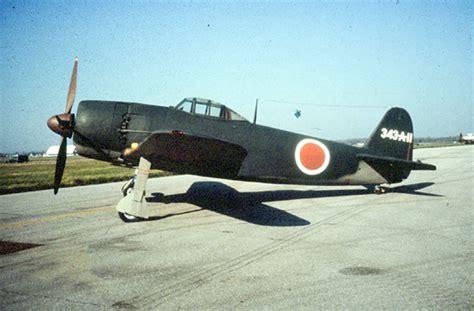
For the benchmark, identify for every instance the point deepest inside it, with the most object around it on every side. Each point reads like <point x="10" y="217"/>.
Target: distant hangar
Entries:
<point x="54" y="150"/>
<point x="466" y="139"/>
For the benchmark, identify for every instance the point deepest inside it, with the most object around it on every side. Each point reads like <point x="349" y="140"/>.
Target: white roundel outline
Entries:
<point x="327" y="156"/>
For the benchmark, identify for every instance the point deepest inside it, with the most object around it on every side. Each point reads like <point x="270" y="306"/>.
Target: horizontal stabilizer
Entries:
<point x="396" y="162"/>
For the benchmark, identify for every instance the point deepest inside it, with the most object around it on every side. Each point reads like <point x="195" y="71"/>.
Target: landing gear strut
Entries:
<point x="132" y="207"/>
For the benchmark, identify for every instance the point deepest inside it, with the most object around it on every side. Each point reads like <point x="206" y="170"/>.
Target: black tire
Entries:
<point x="129" y="218"/>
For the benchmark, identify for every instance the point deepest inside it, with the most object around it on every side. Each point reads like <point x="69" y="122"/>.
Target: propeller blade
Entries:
<point x="72" y="88"/>
<point x="60" y="164"/>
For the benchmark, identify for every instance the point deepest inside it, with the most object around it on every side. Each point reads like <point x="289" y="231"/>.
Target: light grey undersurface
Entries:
<point x="227" y="244"/>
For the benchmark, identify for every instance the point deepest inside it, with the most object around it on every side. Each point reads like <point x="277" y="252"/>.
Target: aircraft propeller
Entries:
<point x="63" y="125"/>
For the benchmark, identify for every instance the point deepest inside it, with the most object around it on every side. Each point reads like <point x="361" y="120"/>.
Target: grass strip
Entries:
<point x="38" y="174"/>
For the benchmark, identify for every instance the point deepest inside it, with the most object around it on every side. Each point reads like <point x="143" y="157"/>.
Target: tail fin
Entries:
<point x="393" y="137"/>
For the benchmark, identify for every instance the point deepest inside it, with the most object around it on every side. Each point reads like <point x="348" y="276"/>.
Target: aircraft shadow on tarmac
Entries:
<point x="249" y="206"/>
<point x="413" y="189"/>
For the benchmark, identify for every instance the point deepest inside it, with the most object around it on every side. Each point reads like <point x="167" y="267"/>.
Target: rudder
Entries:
<point x="393" y="136"/>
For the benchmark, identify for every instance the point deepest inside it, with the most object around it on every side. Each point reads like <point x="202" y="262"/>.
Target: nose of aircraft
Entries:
<point x="62" y="124"/>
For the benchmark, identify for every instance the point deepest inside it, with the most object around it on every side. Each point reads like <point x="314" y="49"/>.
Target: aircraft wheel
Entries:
<point x="380" y="190"/>
<point x="129" y="218"/>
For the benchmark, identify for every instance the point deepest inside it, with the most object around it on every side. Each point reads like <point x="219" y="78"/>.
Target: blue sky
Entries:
<point x="412" y="54"/>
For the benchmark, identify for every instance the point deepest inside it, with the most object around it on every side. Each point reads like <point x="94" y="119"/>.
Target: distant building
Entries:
<point x="466" y="139"/>
<point x="54" y="150"/>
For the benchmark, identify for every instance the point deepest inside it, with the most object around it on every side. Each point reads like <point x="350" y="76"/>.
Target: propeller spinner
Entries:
<point x="63" y="125"/>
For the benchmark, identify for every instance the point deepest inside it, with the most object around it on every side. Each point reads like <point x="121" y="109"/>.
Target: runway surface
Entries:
<point x="226" y="244"/>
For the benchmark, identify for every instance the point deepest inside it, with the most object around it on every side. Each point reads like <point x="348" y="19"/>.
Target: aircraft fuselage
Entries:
<point x="104" y="129"/>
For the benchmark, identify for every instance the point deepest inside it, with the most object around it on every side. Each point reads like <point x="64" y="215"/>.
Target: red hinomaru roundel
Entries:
<point x="312" y="156"/>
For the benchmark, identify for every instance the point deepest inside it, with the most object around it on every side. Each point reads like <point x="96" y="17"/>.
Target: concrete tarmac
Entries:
<point x="227" y="244"/>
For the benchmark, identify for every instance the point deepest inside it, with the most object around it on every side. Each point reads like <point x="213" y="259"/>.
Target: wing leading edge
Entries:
<point x="184" y="152"/>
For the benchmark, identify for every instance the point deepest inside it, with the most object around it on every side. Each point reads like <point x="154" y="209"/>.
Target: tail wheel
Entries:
<point x="377" y="189"/>
<point x="380" y="190"/>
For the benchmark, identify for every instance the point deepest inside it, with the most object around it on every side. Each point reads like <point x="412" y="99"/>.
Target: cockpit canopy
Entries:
<point x="210" y="108"/>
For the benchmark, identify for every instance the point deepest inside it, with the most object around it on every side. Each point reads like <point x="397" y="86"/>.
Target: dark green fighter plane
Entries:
<point x="204" y="137"/>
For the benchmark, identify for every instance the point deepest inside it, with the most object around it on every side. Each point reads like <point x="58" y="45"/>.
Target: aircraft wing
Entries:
<point x="180" y="151"/>
<point x="395" y="162"/>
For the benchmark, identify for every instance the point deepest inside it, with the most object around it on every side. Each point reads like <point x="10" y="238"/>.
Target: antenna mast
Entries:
<point x="255" y="114"/>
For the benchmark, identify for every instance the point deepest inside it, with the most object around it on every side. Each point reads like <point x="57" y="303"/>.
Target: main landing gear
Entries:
<point x="132" y="207"/>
